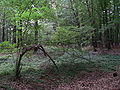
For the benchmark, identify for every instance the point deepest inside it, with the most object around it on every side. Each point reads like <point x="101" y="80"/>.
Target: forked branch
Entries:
<point x="24" y="51"/>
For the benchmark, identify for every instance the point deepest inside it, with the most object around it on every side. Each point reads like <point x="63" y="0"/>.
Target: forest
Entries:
<point x="59" y="44"/>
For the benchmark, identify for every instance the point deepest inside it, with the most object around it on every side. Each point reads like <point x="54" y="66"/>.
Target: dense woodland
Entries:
<point x="60" y="22"/>
<point x="84" y="34"/>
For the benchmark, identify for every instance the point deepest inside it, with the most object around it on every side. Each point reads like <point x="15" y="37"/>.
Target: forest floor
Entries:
<point x="82" y="81"/>
<point x="87" y="76"/>
<point x="114" y="51"/>
<point x="93" y="81"/>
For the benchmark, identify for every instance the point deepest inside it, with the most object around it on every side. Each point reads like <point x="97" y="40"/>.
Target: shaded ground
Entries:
<point x="93" y="81"/>
<point x="83" y="81"/>
<point x="114" y="51"/>
<point x="87" y="75"/>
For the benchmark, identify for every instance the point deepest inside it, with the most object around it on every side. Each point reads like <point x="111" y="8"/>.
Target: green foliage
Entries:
<point x="63" y="36"/>
<point x="69" y="35"/>
<point x="76" y="23"/>
<point x="7" y="47"/>
<point x="84" y="35"/>
<point x="6" y="68"/>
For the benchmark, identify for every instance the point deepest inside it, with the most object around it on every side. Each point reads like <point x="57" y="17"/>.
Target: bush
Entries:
<point x="7" y="47"/>
<point x="63" y="36"/>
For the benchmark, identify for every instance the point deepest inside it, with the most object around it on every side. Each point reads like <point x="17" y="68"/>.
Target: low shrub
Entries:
<point x="6" y="47"/>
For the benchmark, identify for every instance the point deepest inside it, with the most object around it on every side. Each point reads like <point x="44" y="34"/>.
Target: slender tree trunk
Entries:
<point x="14" y="34"/>
<point x="3" y="29"/>
<point x="36" y="35"/>
<point x="20" y="35"/>
<point x="36" y="32"/>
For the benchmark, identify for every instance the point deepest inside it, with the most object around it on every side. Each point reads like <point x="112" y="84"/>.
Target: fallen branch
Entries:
<point x="24" y="51"/>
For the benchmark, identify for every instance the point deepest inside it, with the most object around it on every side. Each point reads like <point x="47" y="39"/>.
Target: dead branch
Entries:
<point x="24" y="51"/>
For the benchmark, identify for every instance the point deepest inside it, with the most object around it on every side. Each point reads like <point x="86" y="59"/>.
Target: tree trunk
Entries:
<point x="20" y="35"/>
<point x="3" y="29"/>
<point x="36" y="35"/>
<point x="14" y="34"/>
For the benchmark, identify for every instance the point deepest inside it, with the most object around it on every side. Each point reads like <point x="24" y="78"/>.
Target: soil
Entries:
<point x="83" y="81"/>
<point x="114" y="51"/>
<point x="93" y="81"/>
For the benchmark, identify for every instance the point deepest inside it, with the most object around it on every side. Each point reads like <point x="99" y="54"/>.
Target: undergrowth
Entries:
<point x="71" y="63"/>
